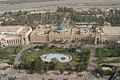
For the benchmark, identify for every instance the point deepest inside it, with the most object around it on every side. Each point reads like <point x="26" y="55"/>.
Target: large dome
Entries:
<point x="61" y="27"/>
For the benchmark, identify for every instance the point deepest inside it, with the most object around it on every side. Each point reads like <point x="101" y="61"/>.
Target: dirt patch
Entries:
<point x="24" y="1"/>
<point x="115" y="64"/>
<point x="4" y="0"/>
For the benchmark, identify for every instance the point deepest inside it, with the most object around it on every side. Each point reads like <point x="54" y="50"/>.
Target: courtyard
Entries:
<point x="67" y="59"/>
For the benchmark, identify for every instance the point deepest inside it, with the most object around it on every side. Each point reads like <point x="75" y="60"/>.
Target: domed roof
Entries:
<point x="61" y="27"/>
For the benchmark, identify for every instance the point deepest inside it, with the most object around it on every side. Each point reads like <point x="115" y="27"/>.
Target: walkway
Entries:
<point x="92" y="62"/>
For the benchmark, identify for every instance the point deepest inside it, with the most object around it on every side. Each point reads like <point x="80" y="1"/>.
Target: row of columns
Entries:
<point x="14" y="42"/>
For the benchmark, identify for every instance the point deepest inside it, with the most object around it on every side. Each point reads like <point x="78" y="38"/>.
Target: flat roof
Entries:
<point x="8" y="29"/>
<point x="8" y="37"/>
<point x="111" y="30"/>
<point x="57" y="32"/>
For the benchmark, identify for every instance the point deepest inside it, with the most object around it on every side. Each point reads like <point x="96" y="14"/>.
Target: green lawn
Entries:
<point x="108" y="52"/>
<point x="113" y="61"/>
<point x="76" y="57"/>
<point x="103" y="54"/>
<point x="34" y="54"/>
<point x="9" y="52"/>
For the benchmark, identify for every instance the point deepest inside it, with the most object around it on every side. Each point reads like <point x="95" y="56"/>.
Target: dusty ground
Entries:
<point x="76" y="6"/>
<point x="4" y="0"/>
<point x="23" y="1"/>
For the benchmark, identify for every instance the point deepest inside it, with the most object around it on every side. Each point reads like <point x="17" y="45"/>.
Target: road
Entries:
<point x="93" y="58"/>
<point x="92" y="63"/>
<point x="19" y="55"/>
<point x="46" y="77"/>
<point x="13" y="72"/>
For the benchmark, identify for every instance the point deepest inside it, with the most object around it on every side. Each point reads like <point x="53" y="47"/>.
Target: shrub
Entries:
<point x="50" y="79"/>
<point x="62" y="58"/>
<point x="103" y="72"/>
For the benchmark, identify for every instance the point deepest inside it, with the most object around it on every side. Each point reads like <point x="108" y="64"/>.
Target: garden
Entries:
<point x="8" y="54"/>
<point x="108" y="52"/>
<point x="108" y="61"/>
<point x="31" y="59"/>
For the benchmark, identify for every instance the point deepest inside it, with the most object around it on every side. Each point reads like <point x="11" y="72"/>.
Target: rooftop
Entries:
<point x="61" y="27"/>
<point x="40" y="31"/>
<point x="85" y="23"/>
<point x="9" y="37"/>
<point x="10" y="29"/>
<point x="67" y="32"/>
<point x="111" y="30"/>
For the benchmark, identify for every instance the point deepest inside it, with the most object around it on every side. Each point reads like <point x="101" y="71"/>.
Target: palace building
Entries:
<point x="14" y="35"/>
<point x="17" y="35"/>
<point x="107" y="33"/>
<point x="60" y="33"/>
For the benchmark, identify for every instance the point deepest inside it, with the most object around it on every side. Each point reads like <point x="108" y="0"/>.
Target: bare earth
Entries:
<point x="76" y="6"/>
<point x="4" y="0"/>
<point x="23" y="1"/>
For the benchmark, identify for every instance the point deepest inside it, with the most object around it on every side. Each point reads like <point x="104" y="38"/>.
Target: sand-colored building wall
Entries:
<point x="51" y="35"/>
<point x="25" y="34"/>
<point x="40" y="38"/>
<point x="21" y="36"/>
<point x="11" y="40"/>
<point x="60" y="38"/>
<point x="107" y="33"/>
<point x="76" y="31"/>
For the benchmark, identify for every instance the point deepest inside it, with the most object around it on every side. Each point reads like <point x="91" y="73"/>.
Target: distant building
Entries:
<point x="85" y="24"/>
<point x="14" y="35"/>
<point x="108" y="33"/>
<point x="46" y="26"/>
<point x="37" y="12"/>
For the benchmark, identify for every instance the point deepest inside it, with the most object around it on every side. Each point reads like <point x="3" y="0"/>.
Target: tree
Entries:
<point x="55" y="64"/>
<point x="27" y="62"/>
<point x="46" y="67"/>
<point x="12" y="78"/>
<point x="78" y="68"/>
<point x="50" y="79"/>
<point x="38" y="64"/>
<point x="113" y="18"/>
<point x="45" y="45"/>
<point x="70" y="46"/>
<point x="73" y="41"/>
<point x="61" y="71"/>
<point x="53" y="46"/>
<point x="72" y="50"/>
<point x="11" y="62"/>
<point x="64" y="9"/>
<point x="75" y="45"/>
